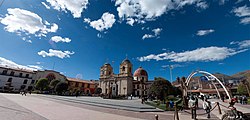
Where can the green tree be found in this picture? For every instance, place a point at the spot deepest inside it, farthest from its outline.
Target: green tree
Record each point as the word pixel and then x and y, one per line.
pixel 53 84
pixel 160 88
pixel 42 84
pixel 61 87
pixel 242 90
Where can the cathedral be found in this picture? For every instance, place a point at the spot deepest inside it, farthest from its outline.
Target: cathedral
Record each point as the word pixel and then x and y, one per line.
pixel 125 82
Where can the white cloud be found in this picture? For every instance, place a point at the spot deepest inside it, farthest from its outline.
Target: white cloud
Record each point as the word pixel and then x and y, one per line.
pixel 200 54
pixel 87 20
pixel 202 5
pixel 18 20
pixel 60 39
pixel 242 44
pixel 105 22
pixel 238 1
pixel 146 10
pixel 204 32
pixel 56 53
pixel 76 7
pixel 172 66
pixel 244 13
pixel 45 5
pixel 130 21
pixel 156 31
pixel 37 67
pixel 222 2
pixel 146 36
pixel 99 35
pixel 10 64
pixel 245 20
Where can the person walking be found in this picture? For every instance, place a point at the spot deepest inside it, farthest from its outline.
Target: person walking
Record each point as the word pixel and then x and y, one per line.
pixel 207 107
pixel 192 106
pixel 196 102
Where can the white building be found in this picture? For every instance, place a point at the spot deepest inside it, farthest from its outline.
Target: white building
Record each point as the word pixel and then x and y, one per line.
pixel 14 79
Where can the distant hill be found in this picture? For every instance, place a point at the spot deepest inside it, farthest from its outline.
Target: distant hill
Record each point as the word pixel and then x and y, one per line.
pixel 237 76
pixel 242 75
pixel 222 77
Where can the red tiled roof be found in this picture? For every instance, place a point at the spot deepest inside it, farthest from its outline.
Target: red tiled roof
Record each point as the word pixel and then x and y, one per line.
pixel 79 80
pixel 140 72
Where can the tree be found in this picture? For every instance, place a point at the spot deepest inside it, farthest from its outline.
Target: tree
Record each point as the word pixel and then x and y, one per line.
pixel 160 88
pixel 242 90
pixel 98 90
pixel 42 84
pixel 61 87
pixel 53 84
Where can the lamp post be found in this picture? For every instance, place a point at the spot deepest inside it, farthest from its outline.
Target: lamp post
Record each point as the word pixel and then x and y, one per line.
pixel 170 70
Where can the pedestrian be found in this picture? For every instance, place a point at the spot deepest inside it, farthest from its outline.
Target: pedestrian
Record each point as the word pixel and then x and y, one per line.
pixel 24 92
pixel 232 102
pixel 142 100
pixel 192 106
pixel 131 96
pixel 241 100
pixel 244 100
pixel 196 101
pixel 207 107
pixel 77 93
pixel 222 97
pixel 156 117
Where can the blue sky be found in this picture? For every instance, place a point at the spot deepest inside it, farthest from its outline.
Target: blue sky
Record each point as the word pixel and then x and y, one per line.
pixel 79 36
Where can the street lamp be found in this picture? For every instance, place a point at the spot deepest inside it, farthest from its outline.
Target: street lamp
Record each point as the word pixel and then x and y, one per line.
pixel 170 70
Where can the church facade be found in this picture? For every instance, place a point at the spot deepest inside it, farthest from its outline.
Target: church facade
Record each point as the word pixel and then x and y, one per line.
pixel 125 82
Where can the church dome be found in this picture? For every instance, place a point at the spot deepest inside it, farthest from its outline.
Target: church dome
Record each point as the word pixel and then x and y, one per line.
pixel 107 64
pixel 140 72
pixel 126 61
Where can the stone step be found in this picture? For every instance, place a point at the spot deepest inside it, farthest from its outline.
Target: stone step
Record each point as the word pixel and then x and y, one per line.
pixel 145 108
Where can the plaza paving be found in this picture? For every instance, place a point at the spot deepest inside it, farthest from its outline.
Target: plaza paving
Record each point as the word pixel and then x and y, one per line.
pixel 47 107
pixel 36 107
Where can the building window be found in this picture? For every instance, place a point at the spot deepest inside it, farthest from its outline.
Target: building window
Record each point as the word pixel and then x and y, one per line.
pixel 88 85
pixel 12 73
pixel 77 84
pixel 32 82
pixel 109 73
pixel 138 86
pixel 83 85
pixel 142 78
pixel 9 80
pixel 27 75
pixel 4 72
pixel 20 74
pixel 123 68
pixel 25 81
